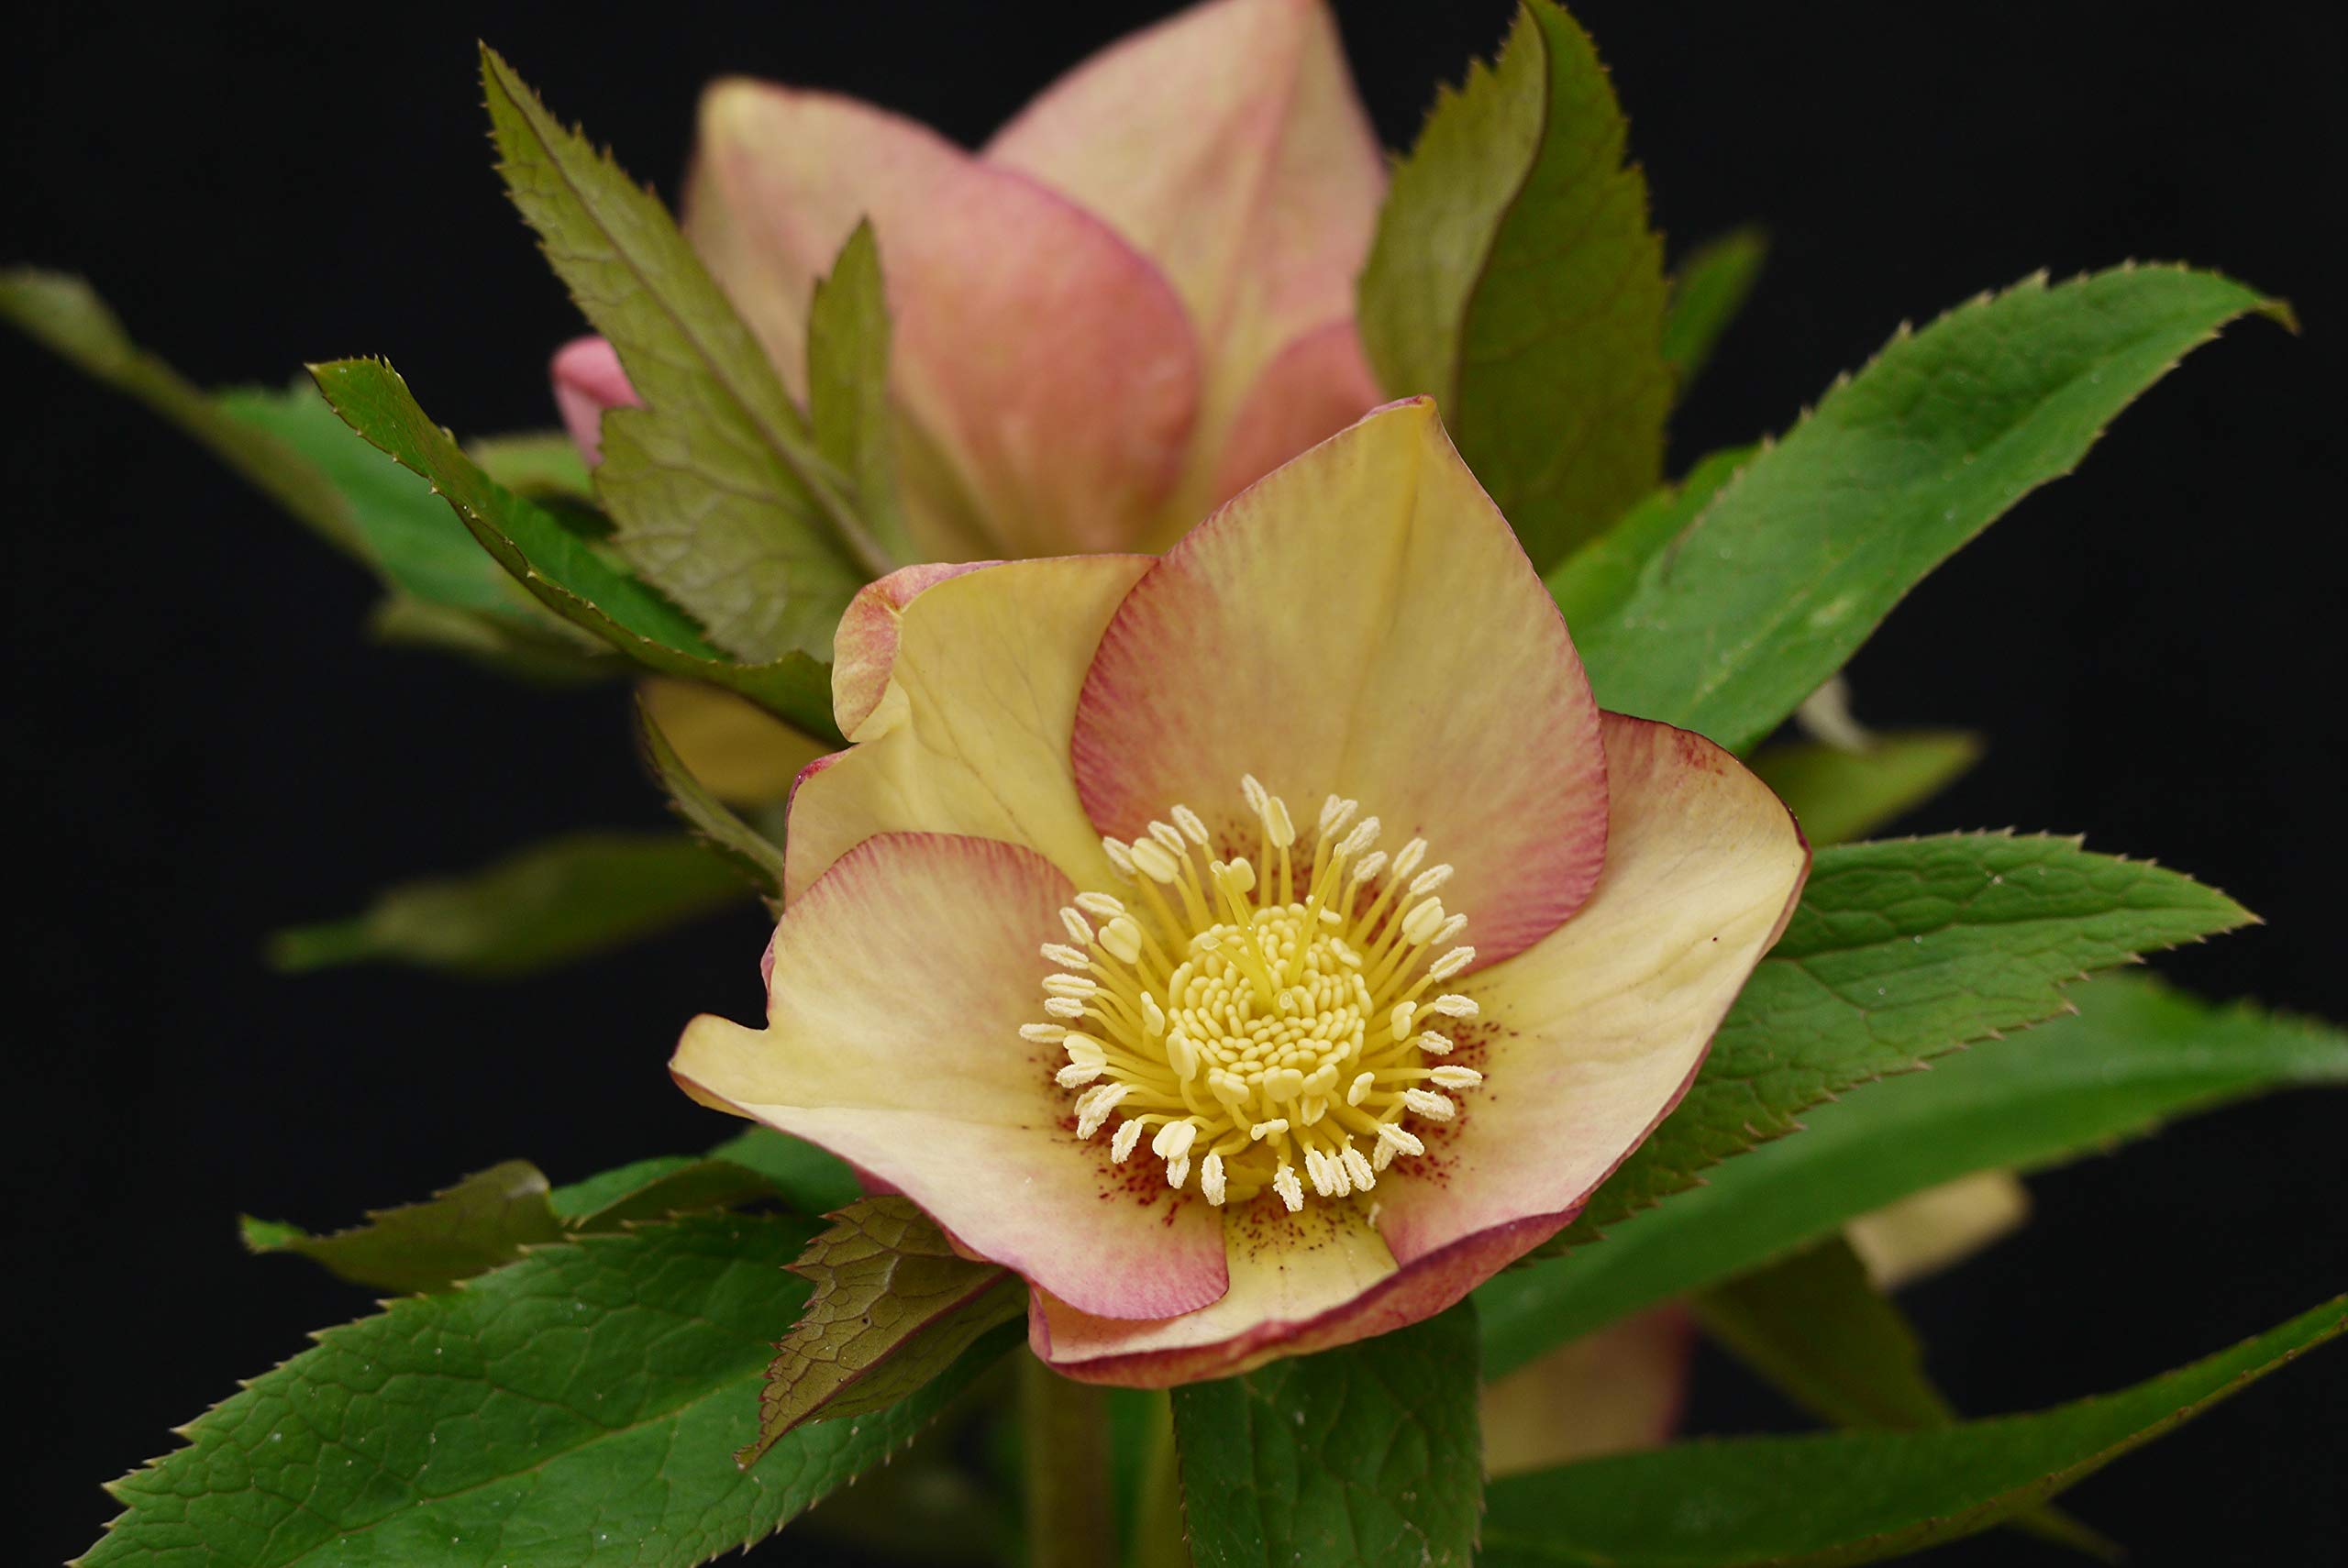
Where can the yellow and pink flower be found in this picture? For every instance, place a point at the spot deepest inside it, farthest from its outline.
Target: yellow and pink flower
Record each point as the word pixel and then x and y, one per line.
pixel 1222 1076
pixel 1135 299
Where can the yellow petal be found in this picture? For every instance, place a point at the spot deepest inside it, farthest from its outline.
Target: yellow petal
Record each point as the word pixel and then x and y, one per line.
pixel 971 732
pixel 897 988
pixel 1587 1040
pixel 1362 622
pixel 1930 1230
pixel 744 754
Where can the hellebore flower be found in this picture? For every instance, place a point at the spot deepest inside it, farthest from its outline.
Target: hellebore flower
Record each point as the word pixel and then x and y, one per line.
pixel 1136 299
pixel 1224 1078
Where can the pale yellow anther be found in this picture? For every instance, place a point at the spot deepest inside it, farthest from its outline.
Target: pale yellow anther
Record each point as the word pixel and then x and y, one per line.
pixel 1290 1190
pixel 1238 876
pixel 1344 954
pixel 1364 834
pixel 1371 864
pixel 1193 829
pixel 1068 957
pixel 1069 985
pixel 1277 825
pixel 1078 1074
pixel 1084 1048
pixel 1122 940
pixel 1407 858
pixel 1177 1171
pixel 1429 1104
pixel 1357 1167
pixel 1100 906
pixel 1152 1017
pixel 1451 962
pixel 1150 859
pixel 1080 930
pixel 1044 1034
pixel 1381 1157
pixel 1456 1077
pixel 1435 1044
pixel 1212 1182
pixel 1336 812
pixel 1358 1090
pixel 1121 859
pixel 1128 1138
pixel 1397 1022
pixel 1312 1109
pixel 1401 1142
pixel 1064 1007
pixel 1451 1006
pixel 1316 1171
pixel 1170 838
pixel 1252 793
pixel 1183 1057
pixel 1428 880
pixel 1173 1140
pixel 1263 1130
pixel 1449 929
pixel 1422 922
pixel 1094 1106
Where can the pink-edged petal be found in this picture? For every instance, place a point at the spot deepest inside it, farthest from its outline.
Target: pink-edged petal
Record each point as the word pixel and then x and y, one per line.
pixel 1615 1391
pixel 1362 622
pixel 1300 1283
pixel 1311 389
pixel 587 380
pixel 899 982
pixel 865 647
pixel 1228 144
pixel 1049 371
pixel 970 733
pixel 1587 1041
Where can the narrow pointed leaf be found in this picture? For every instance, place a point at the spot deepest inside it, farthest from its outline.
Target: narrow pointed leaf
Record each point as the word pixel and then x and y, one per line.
pixel 1592 584
pixel 1841 795
pixel 894 1305
pixel 1795 562
pixel 575 1409
pixel 1901 951
pixel 847 386
pixel 1848 1497
pixel 753 855
pixel 1366 1456
pixel 658 1188
pixel 1514 278
pixel 1815 1326
pixel 1709 288
pixel 550 904
pixel 722 496
pixel 556 566
pixel 482 1222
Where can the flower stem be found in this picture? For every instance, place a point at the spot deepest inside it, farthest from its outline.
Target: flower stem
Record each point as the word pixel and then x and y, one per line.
pixel 1065 1431
pixel 1158 1541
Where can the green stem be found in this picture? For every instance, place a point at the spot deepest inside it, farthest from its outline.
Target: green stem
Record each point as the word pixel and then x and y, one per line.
pixel 1065 1434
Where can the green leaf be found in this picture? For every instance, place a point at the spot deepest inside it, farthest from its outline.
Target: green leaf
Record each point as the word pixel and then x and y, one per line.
pixel 813 1180
pixel 721 495
pixel 1366 1456
pixel 1900 951
pixel 1707 292
pixel 1842 795
pixel 562 569
pixel 658 1188
pixel 847 386
pixel 547 905
pixel 1786 573
pixel 894 1305
pixel 1846 1497
pixel 714 823
pixel 1815 1326
pixel 482 1222
pixel 574 1409
pixel 1595 582
pixel 1514 278
pixel 544 465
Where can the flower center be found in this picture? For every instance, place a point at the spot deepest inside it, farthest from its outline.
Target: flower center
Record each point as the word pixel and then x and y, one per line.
pixel 1261 1016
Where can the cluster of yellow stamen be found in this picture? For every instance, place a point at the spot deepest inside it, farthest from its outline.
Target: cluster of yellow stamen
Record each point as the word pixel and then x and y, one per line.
pixel 1263 1022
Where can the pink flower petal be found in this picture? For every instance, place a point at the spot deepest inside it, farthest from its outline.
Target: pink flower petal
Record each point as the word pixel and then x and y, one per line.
pixel 1227 144
pixel 899 981
pixel 1589 1039
pixel 587 380
pixel 1616 1391
pixel 1049 370
pixel 865 647
pixel 1311 389
pixel 1361 621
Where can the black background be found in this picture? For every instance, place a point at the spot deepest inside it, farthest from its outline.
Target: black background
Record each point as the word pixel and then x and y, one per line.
pixel 207 746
